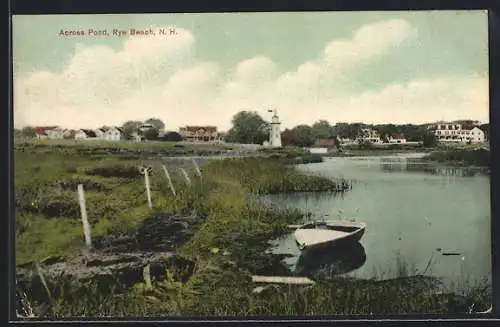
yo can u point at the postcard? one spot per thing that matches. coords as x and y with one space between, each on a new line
251 164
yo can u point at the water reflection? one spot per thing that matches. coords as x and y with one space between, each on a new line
391 165
330 262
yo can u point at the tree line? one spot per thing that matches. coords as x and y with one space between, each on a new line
250 127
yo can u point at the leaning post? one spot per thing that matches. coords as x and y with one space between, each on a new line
83 210
146 171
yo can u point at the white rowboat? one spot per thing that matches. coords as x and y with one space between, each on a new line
328 233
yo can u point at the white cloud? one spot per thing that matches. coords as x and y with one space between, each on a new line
158 77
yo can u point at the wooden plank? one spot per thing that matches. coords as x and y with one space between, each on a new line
283 280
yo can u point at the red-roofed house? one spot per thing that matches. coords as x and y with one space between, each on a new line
396 138
49 132
199 133
322 146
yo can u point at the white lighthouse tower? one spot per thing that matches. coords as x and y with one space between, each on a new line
275 133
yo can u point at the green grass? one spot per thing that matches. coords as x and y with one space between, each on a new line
96 144
115 195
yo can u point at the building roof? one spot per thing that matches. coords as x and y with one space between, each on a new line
398 136
89 133
117 128
324 143
41 130
194 129
469 128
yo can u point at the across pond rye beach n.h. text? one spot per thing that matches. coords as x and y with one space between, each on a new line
119 32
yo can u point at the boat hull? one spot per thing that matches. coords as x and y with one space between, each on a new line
348 239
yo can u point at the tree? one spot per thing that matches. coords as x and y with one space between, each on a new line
150 134
17 133
248 127
385 138
156 122
429 140
172 137
287 137
322 130
346 130
28 132
130 127
486 130
302 135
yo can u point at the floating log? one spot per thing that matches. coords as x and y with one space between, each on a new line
283 280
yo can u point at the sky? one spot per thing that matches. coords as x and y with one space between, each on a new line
372 67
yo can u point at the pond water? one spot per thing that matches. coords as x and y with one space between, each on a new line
415 213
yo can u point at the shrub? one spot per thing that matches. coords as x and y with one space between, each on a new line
114 171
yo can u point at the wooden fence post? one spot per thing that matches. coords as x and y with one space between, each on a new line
83 209
146 272
169 179
198 171
186 176
146 171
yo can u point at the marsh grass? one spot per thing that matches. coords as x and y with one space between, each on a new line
461 155
219 288
228 246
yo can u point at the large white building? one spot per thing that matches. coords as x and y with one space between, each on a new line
368 135
452 132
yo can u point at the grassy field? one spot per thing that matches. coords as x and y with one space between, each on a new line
48 224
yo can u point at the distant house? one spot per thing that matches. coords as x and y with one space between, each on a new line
99 133
199 133
145 127
84 134
345 141
368 135
50 132
477 135
322 146
137 137
396 138
114 134
221 137
457 133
